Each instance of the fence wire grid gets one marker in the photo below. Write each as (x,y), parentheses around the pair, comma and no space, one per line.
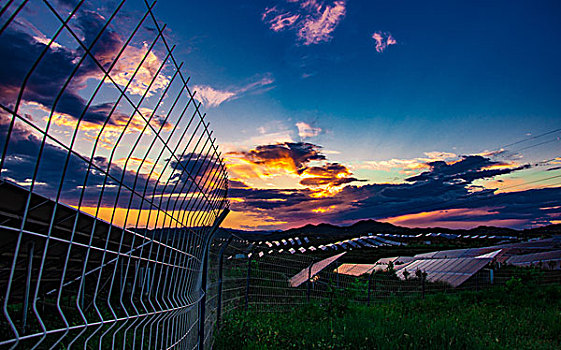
(257,277)
(111,183)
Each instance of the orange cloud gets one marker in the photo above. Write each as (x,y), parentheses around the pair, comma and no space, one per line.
(328,179)
(290,157)
(502,165)
(123,217)
(119,124)
(247,221)
(292,160)
(146,77)
(505,185)
(323,209)
(144,166)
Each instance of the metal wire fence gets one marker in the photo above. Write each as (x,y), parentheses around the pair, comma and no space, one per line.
(262,279)
(111,184)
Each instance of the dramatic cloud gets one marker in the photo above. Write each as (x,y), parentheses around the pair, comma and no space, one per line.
(306,131)
(211,97)
(465,171)
(292,164)
(204,170)
(107,49)
(22,156)
(106,184)
(290,156)
(383,40)
(19,51)
(443,193)
(314,21)
(329,175)
(146,80)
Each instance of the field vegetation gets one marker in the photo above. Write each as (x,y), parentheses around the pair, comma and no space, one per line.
(518,315)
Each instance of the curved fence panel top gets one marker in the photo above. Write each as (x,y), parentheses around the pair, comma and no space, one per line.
(110,179)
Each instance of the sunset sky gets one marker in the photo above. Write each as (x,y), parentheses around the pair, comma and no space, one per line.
(401,111)
(438,113)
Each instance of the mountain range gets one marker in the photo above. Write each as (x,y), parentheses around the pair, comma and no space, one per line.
(363,227)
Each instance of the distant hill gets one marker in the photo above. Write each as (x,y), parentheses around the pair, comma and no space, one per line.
(544,230)
(372,226)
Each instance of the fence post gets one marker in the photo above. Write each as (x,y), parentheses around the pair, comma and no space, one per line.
(247,279)
(309,281)
(82,294)
(374,288)
(370,286)
(423,284)
(477,282)
(202,302)
(30,249)
(220,273)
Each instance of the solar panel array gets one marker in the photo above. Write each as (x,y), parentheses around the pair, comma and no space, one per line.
(371,240)
(501,252)
(455,267)
(456,253)
(312,270)
(451,271)
(263,282)
(550,259)
(355,269)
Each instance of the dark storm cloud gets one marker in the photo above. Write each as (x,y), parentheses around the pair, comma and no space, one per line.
(467,170)
(196,170)
(381,201)
(23,152)
(235,184)
(283,204)
(19,51)
(267,198)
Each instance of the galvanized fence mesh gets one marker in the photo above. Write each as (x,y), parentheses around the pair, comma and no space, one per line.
(262,278)
(111,184)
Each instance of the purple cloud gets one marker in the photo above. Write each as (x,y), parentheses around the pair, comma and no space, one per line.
(383,40)
(314,21)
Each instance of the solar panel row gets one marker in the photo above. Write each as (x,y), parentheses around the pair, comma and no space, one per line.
(452,271)
(312,270)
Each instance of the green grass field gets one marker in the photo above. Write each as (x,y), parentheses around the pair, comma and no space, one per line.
(513,317)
